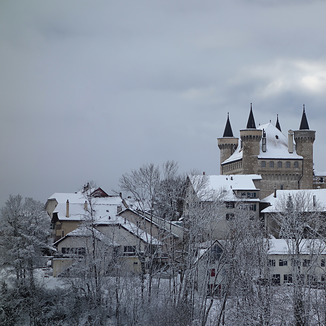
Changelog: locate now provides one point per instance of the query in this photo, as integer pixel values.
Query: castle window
(263, 164)
(296, 164)
(271, 164)
(288, 165)
(279, 164)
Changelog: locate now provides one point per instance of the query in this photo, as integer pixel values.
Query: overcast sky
(90, 90)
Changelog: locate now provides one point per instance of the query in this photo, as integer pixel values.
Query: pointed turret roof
(304, 122)
(228, 130)
(251, 121)
(278, 126)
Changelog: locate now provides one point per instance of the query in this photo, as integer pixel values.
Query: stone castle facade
(283, 162)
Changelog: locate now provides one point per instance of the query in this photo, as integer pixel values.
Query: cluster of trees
(226, 282)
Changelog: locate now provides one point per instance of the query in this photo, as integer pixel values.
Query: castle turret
(250, 139)
(277, 125)
(227, 144)
(304, 140)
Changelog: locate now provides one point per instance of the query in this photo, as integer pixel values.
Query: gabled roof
(287, 246)
(87, 232)
(214, 187)
(157, 221)
(102, 206)
(311, 200)
(228, 130)
(304, 122)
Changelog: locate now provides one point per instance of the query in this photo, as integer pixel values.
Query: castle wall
(227, 146)
(304, 140)
(250, 139)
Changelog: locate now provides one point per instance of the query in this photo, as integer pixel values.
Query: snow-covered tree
(24, 229)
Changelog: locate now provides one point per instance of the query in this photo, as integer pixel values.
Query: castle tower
(250, 139)
(304, 140)
(227, 144)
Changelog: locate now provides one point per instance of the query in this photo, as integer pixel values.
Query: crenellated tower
(227, 144)
(304, 140)
(250, 140)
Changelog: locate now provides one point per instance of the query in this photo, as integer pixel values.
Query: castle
(283, 162)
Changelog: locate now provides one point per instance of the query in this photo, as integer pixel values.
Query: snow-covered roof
(102, 206)
(309, 200)
(131, 227)
(213, 187)
(155, 220)
(286, 246)
(84, 231)
(276, 146)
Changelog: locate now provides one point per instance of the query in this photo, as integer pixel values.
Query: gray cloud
(93, 90)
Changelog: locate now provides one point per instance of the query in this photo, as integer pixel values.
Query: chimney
(275, 193)
(290, 141)
(85, 205)
(67, 208)
(314, 200)
(204, 173)
(263, 141)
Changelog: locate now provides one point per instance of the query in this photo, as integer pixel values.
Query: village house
(217, 198)
(78, 219)
(308, 264)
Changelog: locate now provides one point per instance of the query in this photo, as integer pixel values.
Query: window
(282, 262)
(288, 278)
(271, 164)
(306, 263)
(229, 204)
(296, 164)
(81, 251)
(252, 207)
(311, 279)
(212, 272)
(295, 262)
(271, 262)
(279, 164)
(73, 251)
(322, 262)
(287, 165)
(276, 279)
(263, 164)
(129, 250)
(251, 195)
